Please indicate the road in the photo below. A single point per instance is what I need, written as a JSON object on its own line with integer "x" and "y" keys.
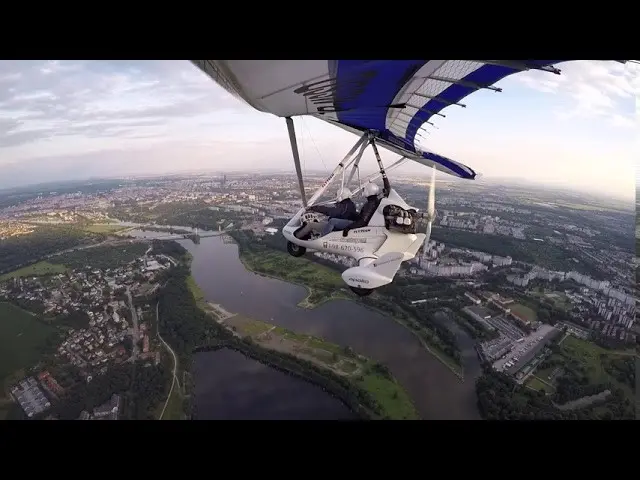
{"x": 175, "y": 363}
{"x": 135, "y": 333}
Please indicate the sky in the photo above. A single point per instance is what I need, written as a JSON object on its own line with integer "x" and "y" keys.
{"x": 71, "y": 120}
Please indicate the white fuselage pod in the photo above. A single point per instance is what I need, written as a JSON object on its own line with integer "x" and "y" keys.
{"x": 360, "y": 244}
{"x": 365, "y": 244}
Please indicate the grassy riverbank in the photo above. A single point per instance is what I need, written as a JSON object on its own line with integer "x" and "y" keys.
{"x": 324, "y": 284}
{"x": 189, "y": 324}
{"x": 371, "y": 377}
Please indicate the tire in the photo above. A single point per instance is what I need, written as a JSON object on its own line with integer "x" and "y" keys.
{"x": 295, "y": 250}
{"x": 362, "y": 292}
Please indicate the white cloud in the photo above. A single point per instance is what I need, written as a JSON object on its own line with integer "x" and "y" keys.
{"x": 86, "y": 118}
{"x": 592, "y": 89}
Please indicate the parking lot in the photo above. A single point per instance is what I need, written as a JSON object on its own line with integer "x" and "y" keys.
{"x": 30, "y": 397}
{"x": 522, "y": 352}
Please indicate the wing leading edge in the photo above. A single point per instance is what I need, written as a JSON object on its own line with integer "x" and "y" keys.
{"x": 396, "y": 98}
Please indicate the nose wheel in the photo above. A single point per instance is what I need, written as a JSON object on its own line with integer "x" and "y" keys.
{"x": 362, "y": 292}
{"x": 295, "y": 250}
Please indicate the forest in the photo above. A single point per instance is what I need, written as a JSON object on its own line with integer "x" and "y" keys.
{"x": 103, "y": 258}
{"x": 186, "y": 214}
{"x": 16, "y": 252}
{"x": 204, "y": 218}
{"x": 142, "y": 389}
{"x": 171, "y": 248}
{"x": 182, "y": 323}
{"x": 623, "y": 369}
{"x": 499, "y": 398}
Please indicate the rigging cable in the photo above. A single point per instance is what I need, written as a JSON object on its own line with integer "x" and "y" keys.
{"x": 314, "y": 144}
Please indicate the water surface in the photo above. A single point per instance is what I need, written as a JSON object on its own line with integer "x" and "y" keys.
{"x": 435, "y": 390}
{"x": 230, "y": 386}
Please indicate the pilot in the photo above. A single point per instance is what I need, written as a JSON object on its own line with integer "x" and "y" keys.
{"x": 340, "y": 214}
{"x": 374, "y": 196}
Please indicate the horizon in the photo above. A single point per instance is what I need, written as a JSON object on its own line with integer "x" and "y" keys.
{"x": 446, "y": 179}
{"x": 73, "y": 121}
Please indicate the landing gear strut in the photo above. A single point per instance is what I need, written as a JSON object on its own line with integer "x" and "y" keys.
{"x": 362, "y": 292}
{"x": 295, "y": 250}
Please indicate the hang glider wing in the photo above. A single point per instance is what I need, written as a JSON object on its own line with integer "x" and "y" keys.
{"x": 394, "y": 98}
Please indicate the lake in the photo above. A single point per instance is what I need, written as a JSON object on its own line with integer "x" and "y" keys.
{"x": 230, "y": 386}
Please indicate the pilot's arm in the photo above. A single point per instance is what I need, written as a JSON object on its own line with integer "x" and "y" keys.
{"x": 328, "y": 210}
{"x": 368, "y": 209}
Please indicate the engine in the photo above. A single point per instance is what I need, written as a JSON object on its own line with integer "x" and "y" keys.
{"x": 397, "y": 219}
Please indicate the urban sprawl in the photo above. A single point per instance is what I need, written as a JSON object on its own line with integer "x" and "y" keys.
{"x": 602, "y": 308}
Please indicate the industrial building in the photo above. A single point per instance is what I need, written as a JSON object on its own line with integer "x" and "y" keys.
{"x": 30, "y": 397}
{"x": 480, "y": 315}
{"x": 107, "y": 411}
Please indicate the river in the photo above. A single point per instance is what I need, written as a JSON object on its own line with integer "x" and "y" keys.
{"x": 249, "y": 390}
{"x": 435, "y": 390}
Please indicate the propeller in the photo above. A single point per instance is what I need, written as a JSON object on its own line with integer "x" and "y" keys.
{"x": 430, "y": 214}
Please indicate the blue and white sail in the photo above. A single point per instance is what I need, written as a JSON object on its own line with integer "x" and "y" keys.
{"x": 394, "y": 98}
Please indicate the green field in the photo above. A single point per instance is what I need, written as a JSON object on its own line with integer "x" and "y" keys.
{"x": 394, "y": 400}
{"x": 35, "y": 270}
{"x": 327, "y": 283}
{"x": 535, "y": 383}
{"x": 559, "y": 299}
{"x": 590, "y": 356}
{"x": 587, "y": 354}
{"x": 297, "y": 270}
{"x": 6, "y": 403}
{"x": 251, "y": 327}
{"x": 523, "y": 311}
{"x": 22, "y": 339}
{"x": 544, "y": 374}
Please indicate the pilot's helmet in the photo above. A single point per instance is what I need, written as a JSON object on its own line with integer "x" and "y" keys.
{"x": 371, "y": 189}
{"x": 344, "y": 193}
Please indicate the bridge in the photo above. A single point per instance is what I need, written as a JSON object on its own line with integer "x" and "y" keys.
{"x": 182, "y": 236}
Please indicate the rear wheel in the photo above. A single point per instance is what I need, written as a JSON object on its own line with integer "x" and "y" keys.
{"x": 295, "y": 250}
{"x": 362, "y": 292}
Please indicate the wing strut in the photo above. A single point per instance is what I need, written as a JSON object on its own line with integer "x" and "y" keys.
{"x": 372, "y": 140}
{"x": 296, "y": 158}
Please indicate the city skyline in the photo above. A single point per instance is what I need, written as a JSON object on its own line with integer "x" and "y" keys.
{"x": 73, "y": 120}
